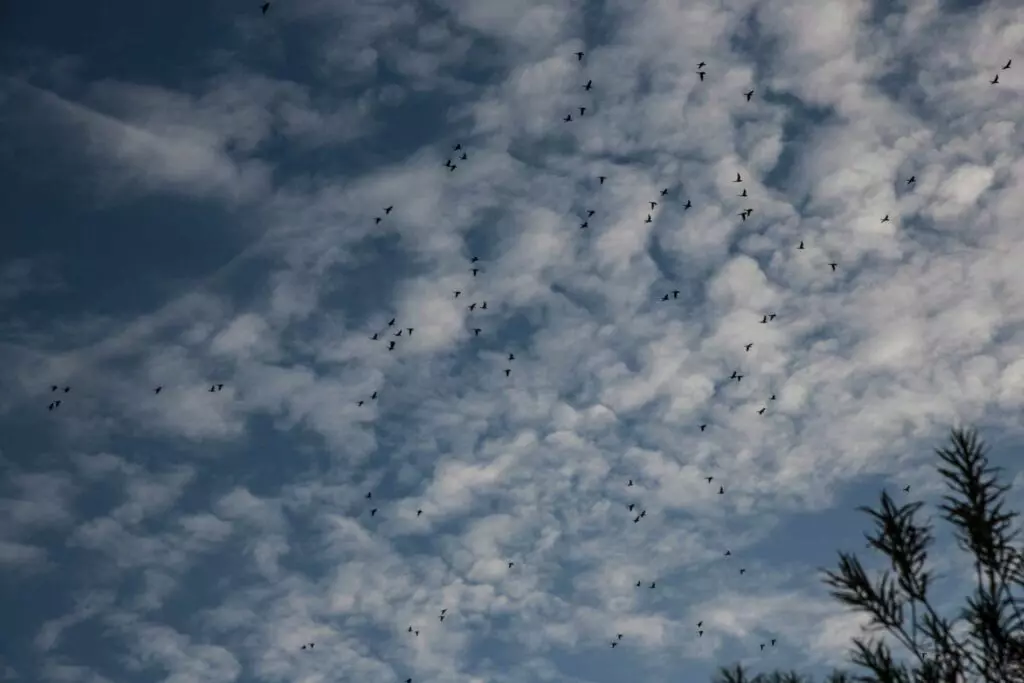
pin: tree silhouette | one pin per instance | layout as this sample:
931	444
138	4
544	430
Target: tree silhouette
985	641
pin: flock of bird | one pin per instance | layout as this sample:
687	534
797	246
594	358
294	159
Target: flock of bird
393	334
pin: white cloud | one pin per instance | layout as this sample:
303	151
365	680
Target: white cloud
210	534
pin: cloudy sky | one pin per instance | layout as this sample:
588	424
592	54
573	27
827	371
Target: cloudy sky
191	192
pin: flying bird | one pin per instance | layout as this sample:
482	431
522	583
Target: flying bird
373	512
418	513
648	218
833	266
452	168
801	245
590	212
511	356
747	346
709	479
391	346
579	56
743	571
749	94
463	157
687	205
701	74
911	180
764	320
906	489
568	117
664	191
739	178
391	323
721	490
387	209
589	85
476	331
675	293
653	204
583	110
475	271
265	6
744	193
885	219
995	80
665	298
457	292
701	65
703	427
1007	65
157	390
761	412
631	506
602	178
508	371
511	564
630	483
584	225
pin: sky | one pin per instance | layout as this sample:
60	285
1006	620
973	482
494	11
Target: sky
191	193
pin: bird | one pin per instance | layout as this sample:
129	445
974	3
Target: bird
360	403
833	266
739	178
511	564
579	56
583	110
584	225
773	642
444	611
53	387
457	292
801	245
709	479
476	331
653	204
771	316
511	356
410	330
664	191
699	624
590	212
700	633
743	571
475	271
762	647
568	117
721	490
457	147
885	218
648	218
373	512
614	643
733	376
701	74
441	618
749	94
744	193
620	636
265	6
464	157
387	209
761	412
391	346
373	396
391	323
1007	65
665	298
739	378
448	163
630	483
157	390
588	85
369	495
377	220
687	205
743	215
675	293
728	553
638	584
906	489
399	333
472	306
631	506
418	513
772	397
748	346
652	584
602	178
703	427
508	371
749	212
911	180
701	65
452	167
995	80
764	320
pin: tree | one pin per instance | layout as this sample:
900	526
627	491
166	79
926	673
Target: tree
737	674
985	641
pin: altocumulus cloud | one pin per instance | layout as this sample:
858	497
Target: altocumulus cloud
194	194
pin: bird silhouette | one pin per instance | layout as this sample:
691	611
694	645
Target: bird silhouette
664	191
703	427
701	65
801	246
721	490
387	209
568	117
739	178
748	346
1007	65
476	331
885	219
749	94
588	85
457	293
602	178
373	512
391	346
911	180
511	564
579	56
653	204
648	218
157	390
508	371
701	74
995	80
761	412
687	205
511	356
833	266
265	6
